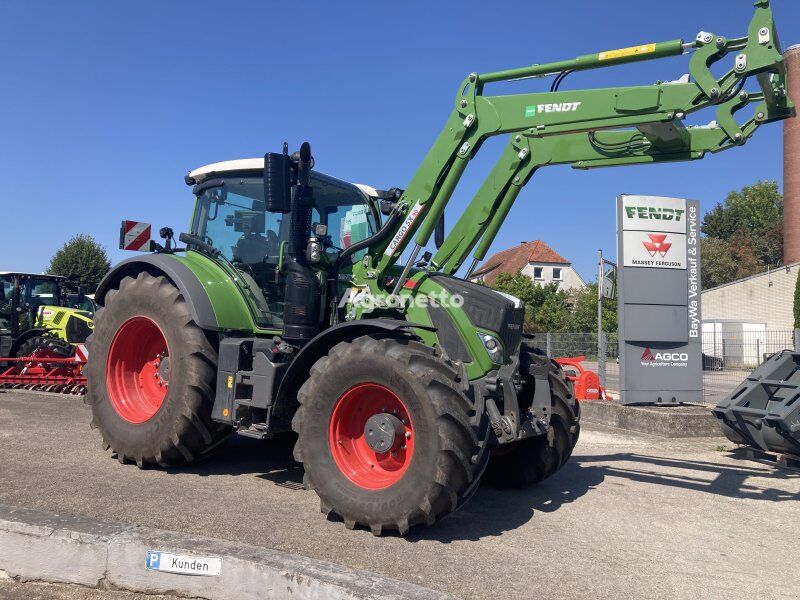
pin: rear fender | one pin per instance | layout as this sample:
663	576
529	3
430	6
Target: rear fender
31	333
180	275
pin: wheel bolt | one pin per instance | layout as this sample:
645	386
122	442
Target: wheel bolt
408	435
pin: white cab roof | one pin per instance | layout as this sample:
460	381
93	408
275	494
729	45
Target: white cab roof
252	164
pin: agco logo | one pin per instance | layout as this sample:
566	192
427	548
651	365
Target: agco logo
652	358
657	244
532	109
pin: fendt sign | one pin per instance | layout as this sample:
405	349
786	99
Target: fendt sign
659	300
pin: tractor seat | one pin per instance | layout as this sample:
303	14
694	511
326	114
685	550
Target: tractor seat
253	248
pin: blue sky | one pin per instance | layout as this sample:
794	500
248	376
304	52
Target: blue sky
106	105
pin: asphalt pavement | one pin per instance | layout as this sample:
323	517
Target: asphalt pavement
629	516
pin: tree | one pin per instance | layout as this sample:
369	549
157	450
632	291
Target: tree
82	260
553	314
545	305
584	313
522	287
725	261
797	304
757	209
718	265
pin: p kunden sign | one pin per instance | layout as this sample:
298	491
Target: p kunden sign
659	300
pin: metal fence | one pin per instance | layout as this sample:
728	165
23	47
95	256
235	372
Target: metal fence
585	344
729	354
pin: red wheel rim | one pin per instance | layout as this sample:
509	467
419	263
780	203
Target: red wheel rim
137	375
351	453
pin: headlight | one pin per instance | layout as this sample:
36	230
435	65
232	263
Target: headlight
492	346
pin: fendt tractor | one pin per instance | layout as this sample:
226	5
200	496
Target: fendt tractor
292	307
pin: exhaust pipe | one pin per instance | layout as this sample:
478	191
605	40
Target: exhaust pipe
301	313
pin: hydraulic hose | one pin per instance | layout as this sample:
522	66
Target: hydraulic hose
333	273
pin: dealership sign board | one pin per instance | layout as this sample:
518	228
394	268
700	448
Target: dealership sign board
660	350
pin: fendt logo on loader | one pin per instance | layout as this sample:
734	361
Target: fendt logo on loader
532	109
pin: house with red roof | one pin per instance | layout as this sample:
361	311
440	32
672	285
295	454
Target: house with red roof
535	259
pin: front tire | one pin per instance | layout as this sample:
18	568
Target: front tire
151	375
438	453
46	346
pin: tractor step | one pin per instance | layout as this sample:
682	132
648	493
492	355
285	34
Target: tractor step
764	411
257	431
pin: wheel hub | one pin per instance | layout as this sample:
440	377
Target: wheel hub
371	436
384	432
137	370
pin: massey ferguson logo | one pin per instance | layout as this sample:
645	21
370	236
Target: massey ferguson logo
664	359
657	244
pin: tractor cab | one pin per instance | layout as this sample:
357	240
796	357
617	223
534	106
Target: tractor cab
21	296
36	304
231	216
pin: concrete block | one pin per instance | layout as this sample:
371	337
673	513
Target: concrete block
665	421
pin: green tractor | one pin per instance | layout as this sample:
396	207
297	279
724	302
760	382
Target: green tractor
38	313
292	306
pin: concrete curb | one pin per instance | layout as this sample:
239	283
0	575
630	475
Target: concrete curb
670	422
46	547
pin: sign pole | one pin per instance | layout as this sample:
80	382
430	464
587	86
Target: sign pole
601	342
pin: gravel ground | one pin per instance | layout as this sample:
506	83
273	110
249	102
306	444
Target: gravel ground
629	516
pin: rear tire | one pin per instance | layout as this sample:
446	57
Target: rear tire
442	456
151	376
533	460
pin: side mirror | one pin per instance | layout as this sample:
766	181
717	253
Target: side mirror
438	233
277	182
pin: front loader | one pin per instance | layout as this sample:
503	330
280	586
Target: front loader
290	309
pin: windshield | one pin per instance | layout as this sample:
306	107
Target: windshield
233	219
40	292
81	302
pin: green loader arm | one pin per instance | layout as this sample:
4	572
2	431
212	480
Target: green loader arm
574	123
648	144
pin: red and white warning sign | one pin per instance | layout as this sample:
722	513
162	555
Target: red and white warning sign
135	235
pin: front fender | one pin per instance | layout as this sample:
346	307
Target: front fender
319	346
24	337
